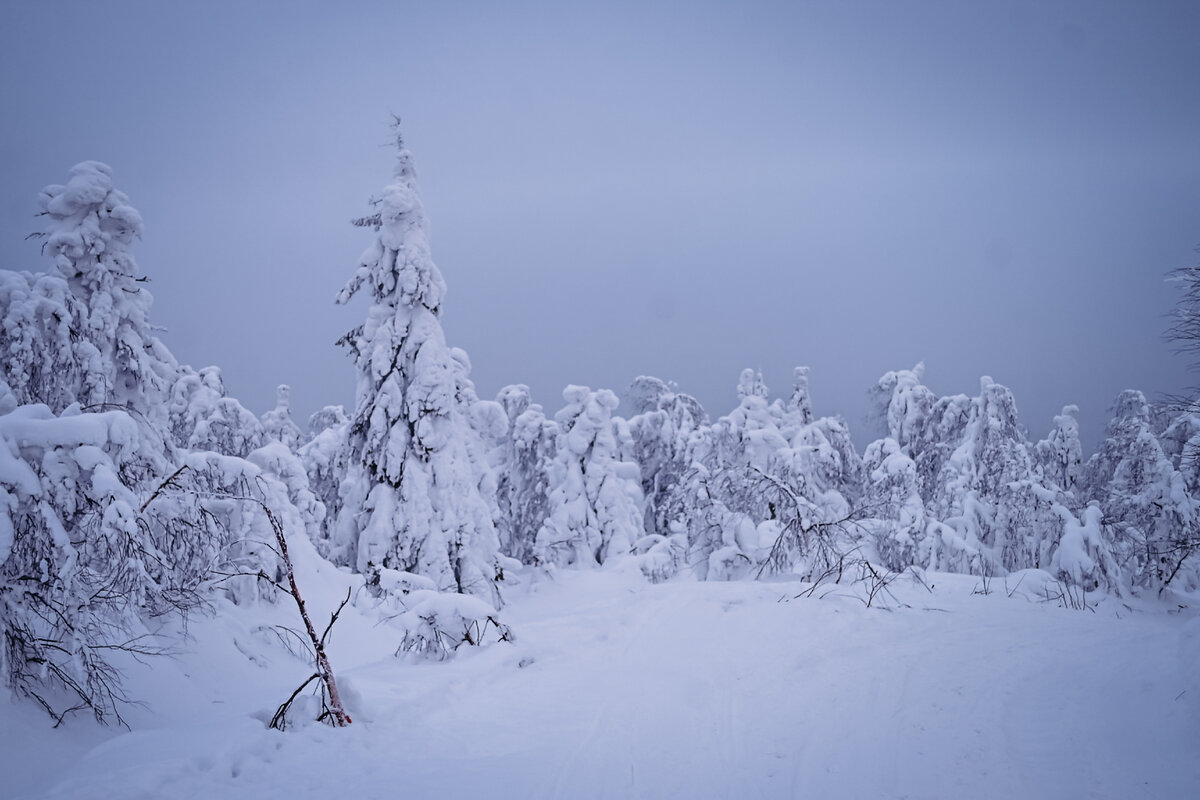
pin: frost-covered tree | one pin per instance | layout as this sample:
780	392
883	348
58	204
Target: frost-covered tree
1060	455
725	502
901	405
749	436
755	491
411	498
39	338
927	428
203	416
489	425
1084	557
989	492
323	456
821	457
89	230
523	472
987	505
278	425
595	498
100	533
799	406
1180	442
893	511
665	428
78	562
105	522
1151	521
281	463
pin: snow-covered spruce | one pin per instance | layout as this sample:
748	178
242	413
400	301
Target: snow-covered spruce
523	463
411	496
323	456
989	511
89	230
893	512
771	487
278	425
204	417
1060	455
595	497
666	428
38	320
1150	520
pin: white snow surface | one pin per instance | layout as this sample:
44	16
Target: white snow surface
618	688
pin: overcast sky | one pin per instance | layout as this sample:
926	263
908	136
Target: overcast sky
680	190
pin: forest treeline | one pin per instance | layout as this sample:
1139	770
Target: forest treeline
134	487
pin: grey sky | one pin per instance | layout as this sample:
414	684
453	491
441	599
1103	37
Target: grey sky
682	191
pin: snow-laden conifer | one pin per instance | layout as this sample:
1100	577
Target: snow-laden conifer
595	498
278	425
1060	455
323	456
665	428
820	457
893	511
89	229
524	468
1150	519
990	493
1180	443
411	498
39	320
203	416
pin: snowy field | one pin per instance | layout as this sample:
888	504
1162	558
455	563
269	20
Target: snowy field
619	688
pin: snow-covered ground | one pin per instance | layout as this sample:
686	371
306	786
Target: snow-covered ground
619	688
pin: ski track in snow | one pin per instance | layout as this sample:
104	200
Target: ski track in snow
688	690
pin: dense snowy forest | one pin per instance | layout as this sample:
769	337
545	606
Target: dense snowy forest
137	492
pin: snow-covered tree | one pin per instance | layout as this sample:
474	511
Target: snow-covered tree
799	406
278	425
821	457
78	562
323	456
1060	455
893	511
411	498
89	230
927	428
1150	519
489	425
748	438
203	416
285	466
755	489
665	427
523	467
901	405
106	523
1180	442
989	492
988	507
1084	557
38	336
595	498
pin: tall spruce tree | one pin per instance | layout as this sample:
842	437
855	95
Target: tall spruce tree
411	499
